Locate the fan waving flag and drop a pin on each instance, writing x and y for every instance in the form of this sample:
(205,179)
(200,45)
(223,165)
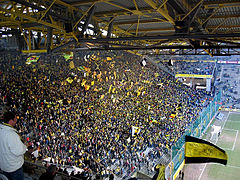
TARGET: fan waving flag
(200,151)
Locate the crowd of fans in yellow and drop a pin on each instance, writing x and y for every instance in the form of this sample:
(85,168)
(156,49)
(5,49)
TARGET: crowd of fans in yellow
(81,111)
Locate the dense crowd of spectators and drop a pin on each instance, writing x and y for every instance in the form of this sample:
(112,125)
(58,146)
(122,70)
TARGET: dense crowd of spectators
(201,65)
(198,67)
(227,81)
(81,112)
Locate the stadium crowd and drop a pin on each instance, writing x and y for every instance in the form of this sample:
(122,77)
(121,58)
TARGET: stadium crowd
(82,112)
(228,82)
(199,67)
(203,65)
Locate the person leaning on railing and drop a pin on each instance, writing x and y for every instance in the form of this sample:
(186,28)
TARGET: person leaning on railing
(12,149)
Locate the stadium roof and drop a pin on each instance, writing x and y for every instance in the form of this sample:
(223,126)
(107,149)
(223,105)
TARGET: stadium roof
(167,26)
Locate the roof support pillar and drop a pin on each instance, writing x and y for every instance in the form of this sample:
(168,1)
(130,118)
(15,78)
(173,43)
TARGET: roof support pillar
(88,19)
(49,39)
(110,27)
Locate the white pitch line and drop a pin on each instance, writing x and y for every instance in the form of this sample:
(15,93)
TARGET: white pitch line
(216,140)
(215,143)
(233,166)
(234,121)
(235,141)
(202,171)
(230,129)
(226,120)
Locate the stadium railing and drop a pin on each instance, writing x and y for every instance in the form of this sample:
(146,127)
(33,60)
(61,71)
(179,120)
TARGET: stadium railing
(197,129)
(36,167)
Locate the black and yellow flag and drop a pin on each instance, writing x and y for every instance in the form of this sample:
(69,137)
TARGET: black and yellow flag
(160,172)
(200,151)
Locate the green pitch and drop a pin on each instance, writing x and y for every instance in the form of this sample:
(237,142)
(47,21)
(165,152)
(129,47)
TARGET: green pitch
(229,140)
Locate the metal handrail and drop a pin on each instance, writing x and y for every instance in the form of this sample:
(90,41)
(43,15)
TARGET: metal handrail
(43,167)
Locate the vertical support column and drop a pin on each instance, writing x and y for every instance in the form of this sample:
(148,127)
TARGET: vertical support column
(96,28)
(208,84)
(84,28)
(18,39)
(33,41)
(29,40)
(38,40)
(110,28)
(49,39)
(109,32)
(88,19)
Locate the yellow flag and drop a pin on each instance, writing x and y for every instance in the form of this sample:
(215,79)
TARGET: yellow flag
(71,65)
(96,90)
(83,82)
(113,90)
(201,151)
(160,172)
(87,69)
(69,80)
(94,74)
(138,93)
(109,90)
(87,87)
(99,75)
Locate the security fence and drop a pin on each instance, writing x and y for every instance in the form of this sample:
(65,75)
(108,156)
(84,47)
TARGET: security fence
(199,126)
